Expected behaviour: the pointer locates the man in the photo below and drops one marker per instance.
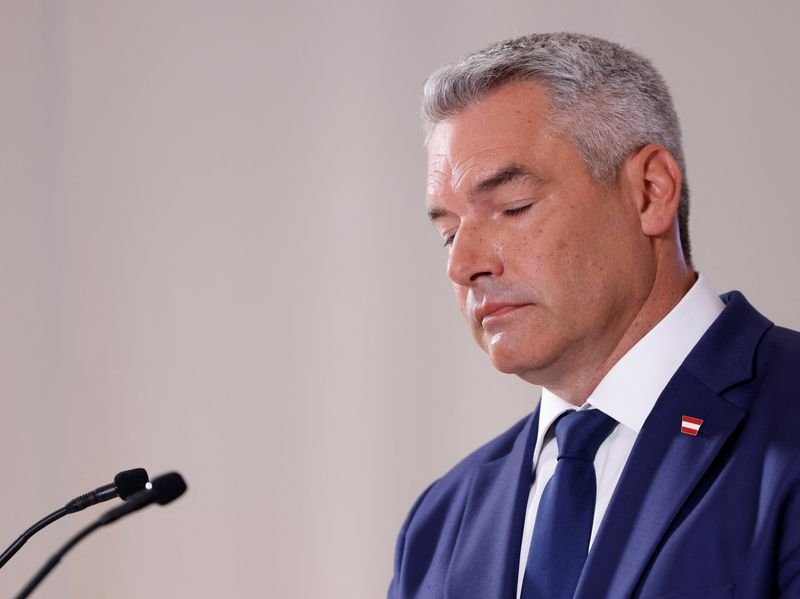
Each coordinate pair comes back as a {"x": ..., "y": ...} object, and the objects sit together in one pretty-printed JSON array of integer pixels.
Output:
[{"x": 557, "y": 182}]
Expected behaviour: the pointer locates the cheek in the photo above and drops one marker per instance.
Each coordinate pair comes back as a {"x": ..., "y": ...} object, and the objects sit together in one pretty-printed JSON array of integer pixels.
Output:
[
  {"x": 475, "y": 329},
  {"x": 461, "y": 298}
]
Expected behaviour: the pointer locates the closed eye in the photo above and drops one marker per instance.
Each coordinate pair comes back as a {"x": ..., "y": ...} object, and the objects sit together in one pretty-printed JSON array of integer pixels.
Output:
[{"x": 517, "y": 211}]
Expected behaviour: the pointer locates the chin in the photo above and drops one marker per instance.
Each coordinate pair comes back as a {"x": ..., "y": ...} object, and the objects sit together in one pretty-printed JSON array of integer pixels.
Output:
[
  {"x": 506, "y": 359},
  {"x": 519, "y": 359}
]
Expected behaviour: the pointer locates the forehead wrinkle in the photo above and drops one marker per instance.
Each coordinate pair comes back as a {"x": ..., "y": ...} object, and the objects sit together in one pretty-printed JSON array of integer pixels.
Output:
[
  {"x": 465, "y": 167},
  {"x": 437, "y": 180}
]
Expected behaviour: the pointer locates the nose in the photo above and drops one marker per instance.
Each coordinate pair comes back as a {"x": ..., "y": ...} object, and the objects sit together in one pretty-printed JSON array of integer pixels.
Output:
[{"x": 474, "y": 254}]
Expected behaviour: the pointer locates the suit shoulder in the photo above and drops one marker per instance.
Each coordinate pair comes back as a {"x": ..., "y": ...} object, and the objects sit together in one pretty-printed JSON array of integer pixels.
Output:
[
  {"x": 495, "y": 449},
  {"x": 779, "y": 353},
  {"x": 786, "y": 339},
  {"x": 771, "y": 396},
  {"x": 455, "y": 482},
  {"x": 428, "y": 536},
  {"x": 443, "y": 502}
]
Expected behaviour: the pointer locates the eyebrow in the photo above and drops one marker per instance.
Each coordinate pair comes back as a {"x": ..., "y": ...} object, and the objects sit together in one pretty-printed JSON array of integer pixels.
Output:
[
  {"x": 507, "y": 174},
  {"x": 436, "y": 213}
]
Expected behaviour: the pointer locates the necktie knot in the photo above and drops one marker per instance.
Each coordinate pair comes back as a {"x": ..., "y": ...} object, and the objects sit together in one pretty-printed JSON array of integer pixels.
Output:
[{"x": 580, "y": 434}]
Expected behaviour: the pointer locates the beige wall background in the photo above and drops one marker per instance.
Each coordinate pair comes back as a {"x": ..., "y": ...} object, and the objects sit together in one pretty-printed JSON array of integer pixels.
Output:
[{"x": 215, "y": 259}]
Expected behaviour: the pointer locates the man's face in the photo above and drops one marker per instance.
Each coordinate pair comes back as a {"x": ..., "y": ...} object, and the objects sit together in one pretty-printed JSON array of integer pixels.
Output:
[{"x": 548, "y": 266}]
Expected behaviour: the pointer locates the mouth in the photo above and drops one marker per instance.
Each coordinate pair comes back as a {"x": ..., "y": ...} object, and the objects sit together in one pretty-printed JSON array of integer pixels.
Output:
[{"x": 494, "y": 312}]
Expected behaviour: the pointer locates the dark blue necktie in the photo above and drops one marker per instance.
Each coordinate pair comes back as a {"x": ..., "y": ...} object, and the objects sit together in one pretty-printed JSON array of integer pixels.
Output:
[{"x": 563, "y": 525}]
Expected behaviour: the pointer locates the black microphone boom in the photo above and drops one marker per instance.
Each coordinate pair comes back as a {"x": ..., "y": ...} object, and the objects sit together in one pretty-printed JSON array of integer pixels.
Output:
[
  {"x": 125, "y": 484},
  {"x": 165, "y": 489}
]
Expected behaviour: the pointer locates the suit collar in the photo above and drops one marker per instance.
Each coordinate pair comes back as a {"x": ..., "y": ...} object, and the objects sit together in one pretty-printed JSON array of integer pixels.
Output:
[
  {"x": 724, "y": 356},
  {"x": 486, "y": 554}
]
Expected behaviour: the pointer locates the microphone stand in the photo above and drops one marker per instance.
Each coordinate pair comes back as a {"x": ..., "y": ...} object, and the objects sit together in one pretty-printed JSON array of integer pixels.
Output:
[
  {"x": 53, "y": 561},
  {"x": 23, "y": 538}
]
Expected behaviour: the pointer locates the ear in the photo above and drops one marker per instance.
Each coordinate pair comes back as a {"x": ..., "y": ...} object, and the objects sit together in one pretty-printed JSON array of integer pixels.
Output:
[{"x": 654, "y": 180}]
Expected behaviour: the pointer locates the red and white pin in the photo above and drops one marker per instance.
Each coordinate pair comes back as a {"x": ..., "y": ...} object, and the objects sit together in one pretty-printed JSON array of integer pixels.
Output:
[{"x": 690, "y": 426}]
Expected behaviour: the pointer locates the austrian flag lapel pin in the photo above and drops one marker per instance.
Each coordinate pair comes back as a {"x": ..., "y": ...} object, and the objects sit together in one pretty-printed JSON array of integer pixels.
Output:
[{"x": 690, "y": 426}]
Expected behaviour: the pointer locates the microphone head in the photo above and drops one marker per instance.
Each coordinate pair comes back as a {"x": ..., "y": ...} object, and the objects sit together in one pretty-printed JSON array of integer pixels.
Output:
[
  {"x": 168, "y": 487},
  {"x": 130, "y": 481}
]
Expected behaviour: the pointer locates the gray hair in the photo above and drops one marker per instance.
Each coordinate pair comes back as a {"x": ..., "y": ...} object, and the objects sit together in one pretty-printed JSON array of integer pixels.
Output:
[{"x": 610, "y": 100}]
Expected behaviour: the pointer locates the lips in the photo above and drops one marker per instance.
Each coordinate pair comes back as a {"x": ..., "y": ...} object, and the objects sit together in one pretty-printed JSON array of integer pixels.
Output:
[{"x": 495, "y": 310}]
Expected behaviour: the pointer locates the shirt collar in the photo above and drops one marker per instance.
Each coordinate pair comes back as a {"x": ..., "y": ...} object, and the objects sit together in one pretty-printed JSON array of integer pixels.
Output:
[{"x": 630, "y": 389}]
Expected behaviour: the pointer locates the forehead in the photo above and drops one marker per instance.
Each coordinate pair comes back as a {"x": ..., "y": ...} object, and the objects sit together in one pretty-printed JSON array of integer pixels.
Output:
[{"x": 509, "y": 126}]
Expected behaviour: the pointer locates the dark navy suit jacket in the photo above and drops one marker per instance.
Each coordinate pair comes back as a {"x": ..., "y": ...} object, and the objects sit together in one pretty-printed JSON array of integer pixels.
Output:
[{"x": 711, "y": 516}]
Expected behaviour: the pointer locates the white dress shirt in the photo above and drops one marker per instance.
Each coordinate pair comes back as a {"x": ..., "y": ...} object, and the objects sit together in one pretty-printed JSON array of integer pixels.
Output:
[{"x": 627, "y": 393}]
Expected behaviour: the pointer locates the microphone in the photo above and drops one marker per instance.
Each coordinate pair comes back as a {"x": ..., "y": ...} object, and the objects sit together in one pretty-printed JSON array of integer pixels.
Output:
[
  {"x": 165, "y": 489},
  {"x": 125, "y": 484}
]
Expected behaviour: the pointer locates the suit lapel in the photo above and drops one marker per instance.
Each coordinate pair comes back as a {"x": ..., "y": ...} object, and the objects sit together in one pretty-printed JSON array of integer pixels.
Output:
[
  {"x": 665, "y": 464},
  {"x": 663, "y": 469},
  {"x": 486, "y": 555}
]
